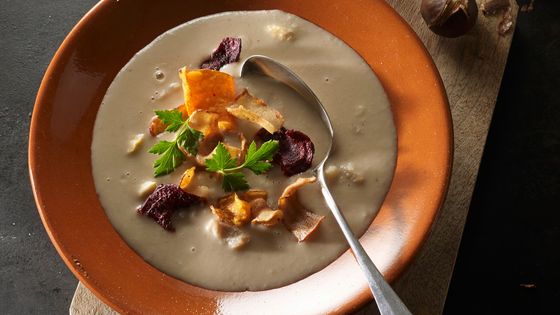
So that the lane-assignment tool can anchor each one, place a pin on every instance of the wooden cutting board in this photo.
(471, 68)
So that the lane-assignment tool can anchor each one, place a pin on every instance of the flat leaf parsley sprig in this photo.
(186, 138)
(256, 160)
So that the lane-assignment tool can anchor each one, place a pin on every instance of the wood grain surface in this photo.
(471, 68)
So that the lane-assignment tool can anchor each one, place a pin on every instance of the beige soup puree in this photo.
(360, 170)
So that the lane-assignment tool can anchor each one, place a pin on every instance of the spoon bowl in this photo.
(386, 299)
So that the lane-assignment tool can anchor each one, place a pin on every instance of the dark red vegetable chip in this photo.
(227, 52)
(164, 201)
(295, 152)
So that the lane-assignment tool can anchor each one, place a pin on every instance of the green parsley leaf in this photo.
(234, 181)
(259, 167)
(171, 152)
(161, 147)
(189, 139)
(172, 118)
(170, 159)
(256, 160)
(221, 159)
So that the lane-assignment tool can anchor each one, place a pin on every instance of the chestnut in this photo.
(449, 18)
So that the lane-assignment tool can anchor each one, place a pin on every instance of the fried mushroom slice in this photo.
(297, 219)
(232, 210)
(187, 178)
(255, 110)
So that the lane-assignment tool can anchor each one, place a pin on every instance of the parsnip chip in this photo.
(187, 178)
(225, 126)
(255, 110)
(263, 214)
(231, 209)
(292, 189)
(253, 194)
(268, 217)
(298, 220)
(302, 223)
(258, 205)
(205, 122)
(208, 90)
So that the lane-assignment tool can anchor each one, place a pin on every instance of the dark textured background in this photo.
(33, 279)
(512, 235)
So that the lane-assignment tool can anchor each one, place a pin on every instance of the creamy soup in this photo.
(360, 169)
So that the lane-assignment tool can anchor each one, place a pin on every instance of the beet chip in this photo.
(163, 202)
(295, 152)
(227, 52)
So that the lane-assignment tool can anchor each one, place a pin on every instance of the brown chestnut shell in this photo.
(449, 18)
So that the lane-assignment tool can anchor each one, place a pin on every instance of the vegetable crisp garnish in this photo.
(227, 52)
(255, 110)
(298, 220)
(164, 201)
(173, 152)
(209, 90)
(256, 160)
(295, 152)
(205, 129)
(232, 210)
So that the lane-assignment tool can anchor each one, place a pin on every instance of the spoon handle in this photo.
(387, 300)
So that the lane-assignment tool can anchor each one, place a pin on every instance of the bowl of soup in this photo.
(102, 189)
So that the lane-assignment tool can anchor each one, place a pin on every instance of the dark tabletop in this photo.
(510, 253)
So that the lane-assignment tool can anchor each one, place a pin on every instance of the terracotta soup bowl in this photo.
(60, 162)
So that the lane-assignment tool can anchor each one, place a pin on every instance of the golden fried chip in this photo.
(208, 90)
(302, 223)
(253, 194)
(291, 189)
(231, 209)
(205, 122)
(255, 110)
(268, 217)
(225, 126)
(263, 214)
(186, 178)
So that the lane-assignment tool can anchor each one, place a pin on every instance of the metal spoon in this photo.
(387, 300)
